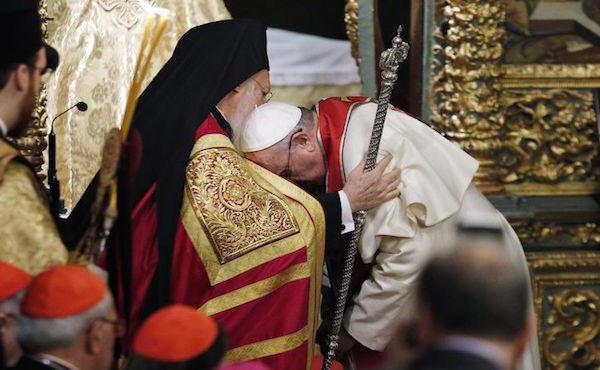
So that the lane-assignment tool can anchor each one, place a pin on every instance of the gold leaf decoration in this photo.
(574, 325)
(465, 88)
(551, 137)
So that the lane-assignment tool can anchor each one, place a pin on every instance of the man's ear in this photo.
(93, 340)
(22, 77)
(303, 140)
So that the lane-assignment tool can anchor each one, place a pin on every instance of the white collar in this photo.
(44, 357)
(474, 346)
(3, 128)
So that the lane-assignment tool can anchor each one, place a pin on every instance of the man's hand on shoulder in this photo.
(370, 189)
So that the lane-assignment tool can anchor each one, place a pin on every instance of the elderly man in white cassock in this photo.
(436, 192)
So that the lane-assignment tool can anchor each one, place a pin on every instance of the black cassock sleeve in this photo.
(333, 221)
(333, 241)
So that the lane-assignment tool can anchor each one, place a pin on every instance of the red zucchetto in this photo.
(63, 291)
(175, 333)
(12, 280)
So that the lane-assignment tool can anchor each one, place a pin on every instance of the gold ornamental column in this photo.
(533, 125)
(465, 94)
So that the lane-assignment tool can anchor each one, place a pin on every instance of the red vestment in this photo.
(268, 309)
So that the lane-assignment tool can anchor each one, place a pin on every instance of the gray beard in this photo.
(237, 121)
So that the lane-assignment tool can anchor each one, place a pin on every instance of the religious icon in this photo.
(553, 31)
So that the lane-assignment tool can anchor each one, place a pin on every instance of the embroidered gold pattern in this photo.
(28, 236)
(238, 214)
(310, 219)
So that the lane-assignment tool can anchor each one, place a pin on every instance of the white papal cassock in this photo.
(436, 193)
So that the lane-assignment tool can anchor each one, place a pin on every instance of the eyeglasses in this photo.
(117, 323)
(287, 173)
(267, 95)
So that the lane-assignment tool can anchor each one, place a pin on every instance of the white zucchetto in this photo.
(267, 125)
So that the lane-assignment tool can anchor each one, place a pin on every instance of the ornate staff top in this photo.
(389, 64)
(391, 59)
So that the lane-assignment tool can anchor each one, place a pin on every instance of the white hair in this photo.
(39, 335)
(243, 108)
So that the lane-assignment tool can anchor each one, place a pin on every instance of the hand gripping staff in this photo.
(389, 64)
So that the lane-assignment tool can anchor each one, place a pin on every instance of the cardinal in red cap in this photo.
(178, 337)
(13, 283)
(68, 321)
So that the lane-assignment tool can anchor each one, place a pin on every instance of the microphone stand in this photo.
(57, 204)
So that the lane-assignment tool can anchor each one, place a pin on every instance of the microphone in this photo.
(81, 106)
(56, 205)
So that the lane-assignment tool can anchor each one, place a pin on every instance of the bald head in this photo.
(476, 290)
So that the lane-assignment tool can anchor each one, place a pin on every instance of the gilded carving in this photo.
(567, 307)
(555, 70)
(351, 20)
(465, 89)
(238, 215)
(558, 76)
(573, 328)
(563, 260)
(533, 128)
(542, 232)
(33, 142)
(551, 136)
(533, 132)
